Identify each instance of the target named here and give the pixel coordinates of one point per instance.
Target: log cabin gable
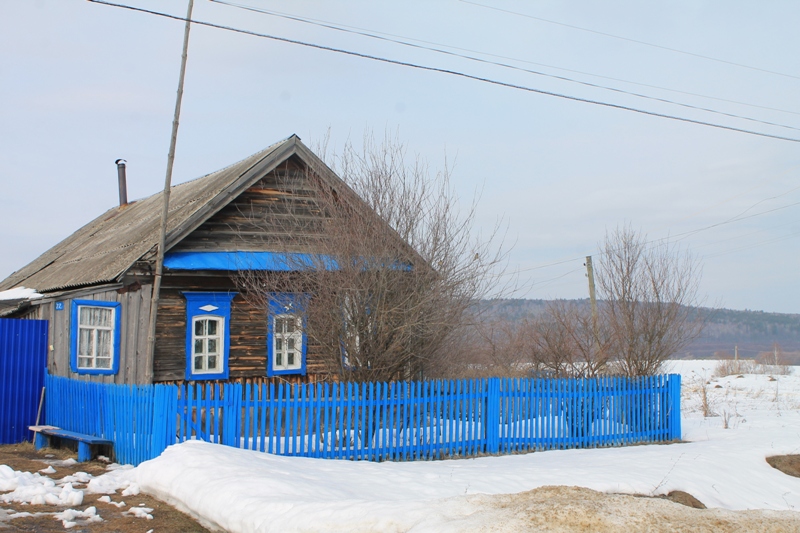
(264, 204)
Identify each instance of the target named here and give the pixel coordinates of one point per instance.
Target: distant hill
(754, 332)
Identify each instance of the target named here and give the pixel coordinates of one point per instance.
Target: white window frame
(93, 357)
(283, 337)
(220, 338)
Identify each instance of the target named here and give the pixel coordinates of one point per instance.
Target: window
(208, 342)
(95, 337)
(286, 337)
(287, 342)
(208, 316)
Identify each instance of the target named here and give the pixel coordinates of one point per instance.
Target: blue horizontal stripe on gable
(276, 261)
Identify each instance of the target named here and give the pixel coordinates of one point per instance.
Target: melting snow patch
(69, 518)
(24, 487)
(140, 512)
(107, 499)
(132, 490)
(118, 477)
(48, 470)
(77, 477)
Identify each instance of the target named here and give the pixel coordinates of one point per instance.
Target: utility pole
(151, 331)
(593, 300)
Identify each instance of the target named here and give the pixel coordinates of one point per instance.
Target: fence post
(492, 418)
(675, 406)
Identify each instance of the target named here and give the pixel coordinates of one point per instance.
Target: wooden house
(96, 285)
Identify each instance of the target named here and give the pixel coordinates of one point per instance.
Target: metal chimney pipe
(123, 182)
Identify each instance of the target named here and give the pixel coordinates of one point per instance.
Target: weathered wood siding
(248, 333)
(278, 213)
(135, 312)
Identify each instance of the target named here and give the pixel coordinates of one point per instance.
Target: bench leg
(84, 452)
(41, 441)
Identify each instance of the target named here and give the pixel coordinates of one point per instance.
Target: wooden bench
(87, 444)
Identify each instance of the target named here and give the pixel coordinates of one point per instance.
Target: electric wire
(645, 43)
(502, 65)
(500, 56)
(743, 235)
(450, 72)
(684, 235)
(725, 201)
(754, 245)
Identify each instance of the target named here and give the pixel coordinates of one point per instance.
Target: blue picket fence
(23, 356)
(376, 421)
(139, 419)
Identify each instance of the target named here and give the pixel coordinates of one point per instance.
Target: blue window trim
(73, 339)
(222, 302)
(277, 306)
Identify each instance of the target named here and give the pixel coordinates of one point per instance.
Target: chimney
(123, 183)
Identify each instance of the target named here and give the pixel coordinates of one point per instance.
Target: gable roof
(104, 249)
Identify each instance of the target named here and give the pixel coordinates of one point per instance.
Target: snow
(25, 487)
(140, 512)
(107, 499)
(244, 491)
(19, 293)
(721, 462)
(71, 517)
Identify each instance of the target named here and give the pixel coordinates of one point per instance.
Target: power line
(706, 209)
(645, 43)
(686, 234)
(736, 218)
(755, 245)
(450, 72)
(495, 63)
(500, 56)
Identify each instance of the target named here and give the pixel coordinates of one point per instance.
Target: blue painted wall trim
(73, 337)
(273, 261)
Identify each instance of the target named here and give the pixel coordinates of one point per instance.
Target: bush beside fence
(373, 421)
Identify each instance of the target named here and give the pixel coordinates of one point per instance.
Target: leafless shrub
(700, 388)
(775, 362)
(390, 260)
(566, 341)
(649, 296)
(732, 367)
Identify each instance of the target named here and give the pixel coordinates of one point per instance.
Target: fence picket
(373, 421)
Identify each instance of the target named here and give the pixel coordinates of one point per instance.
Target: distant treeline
(755, 333)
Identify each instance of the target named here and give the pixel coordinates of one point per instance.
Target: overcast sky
(83, 84)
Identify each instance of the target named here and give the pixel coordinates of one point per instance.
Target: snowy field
(722, 463)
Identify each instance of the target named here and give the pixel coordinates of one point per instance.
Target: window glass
(207, 341)
(95, 337)
(287, 342)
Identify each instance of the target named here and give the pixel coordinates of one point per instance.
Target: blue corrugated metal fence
(23, 356)
(376, 421)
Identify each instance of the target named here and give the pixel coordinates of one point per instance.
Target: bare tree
(649, 300)
(390, 261)
(567, 342)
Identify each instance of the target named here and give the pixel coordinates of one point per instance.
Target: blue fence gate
(23, 358)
